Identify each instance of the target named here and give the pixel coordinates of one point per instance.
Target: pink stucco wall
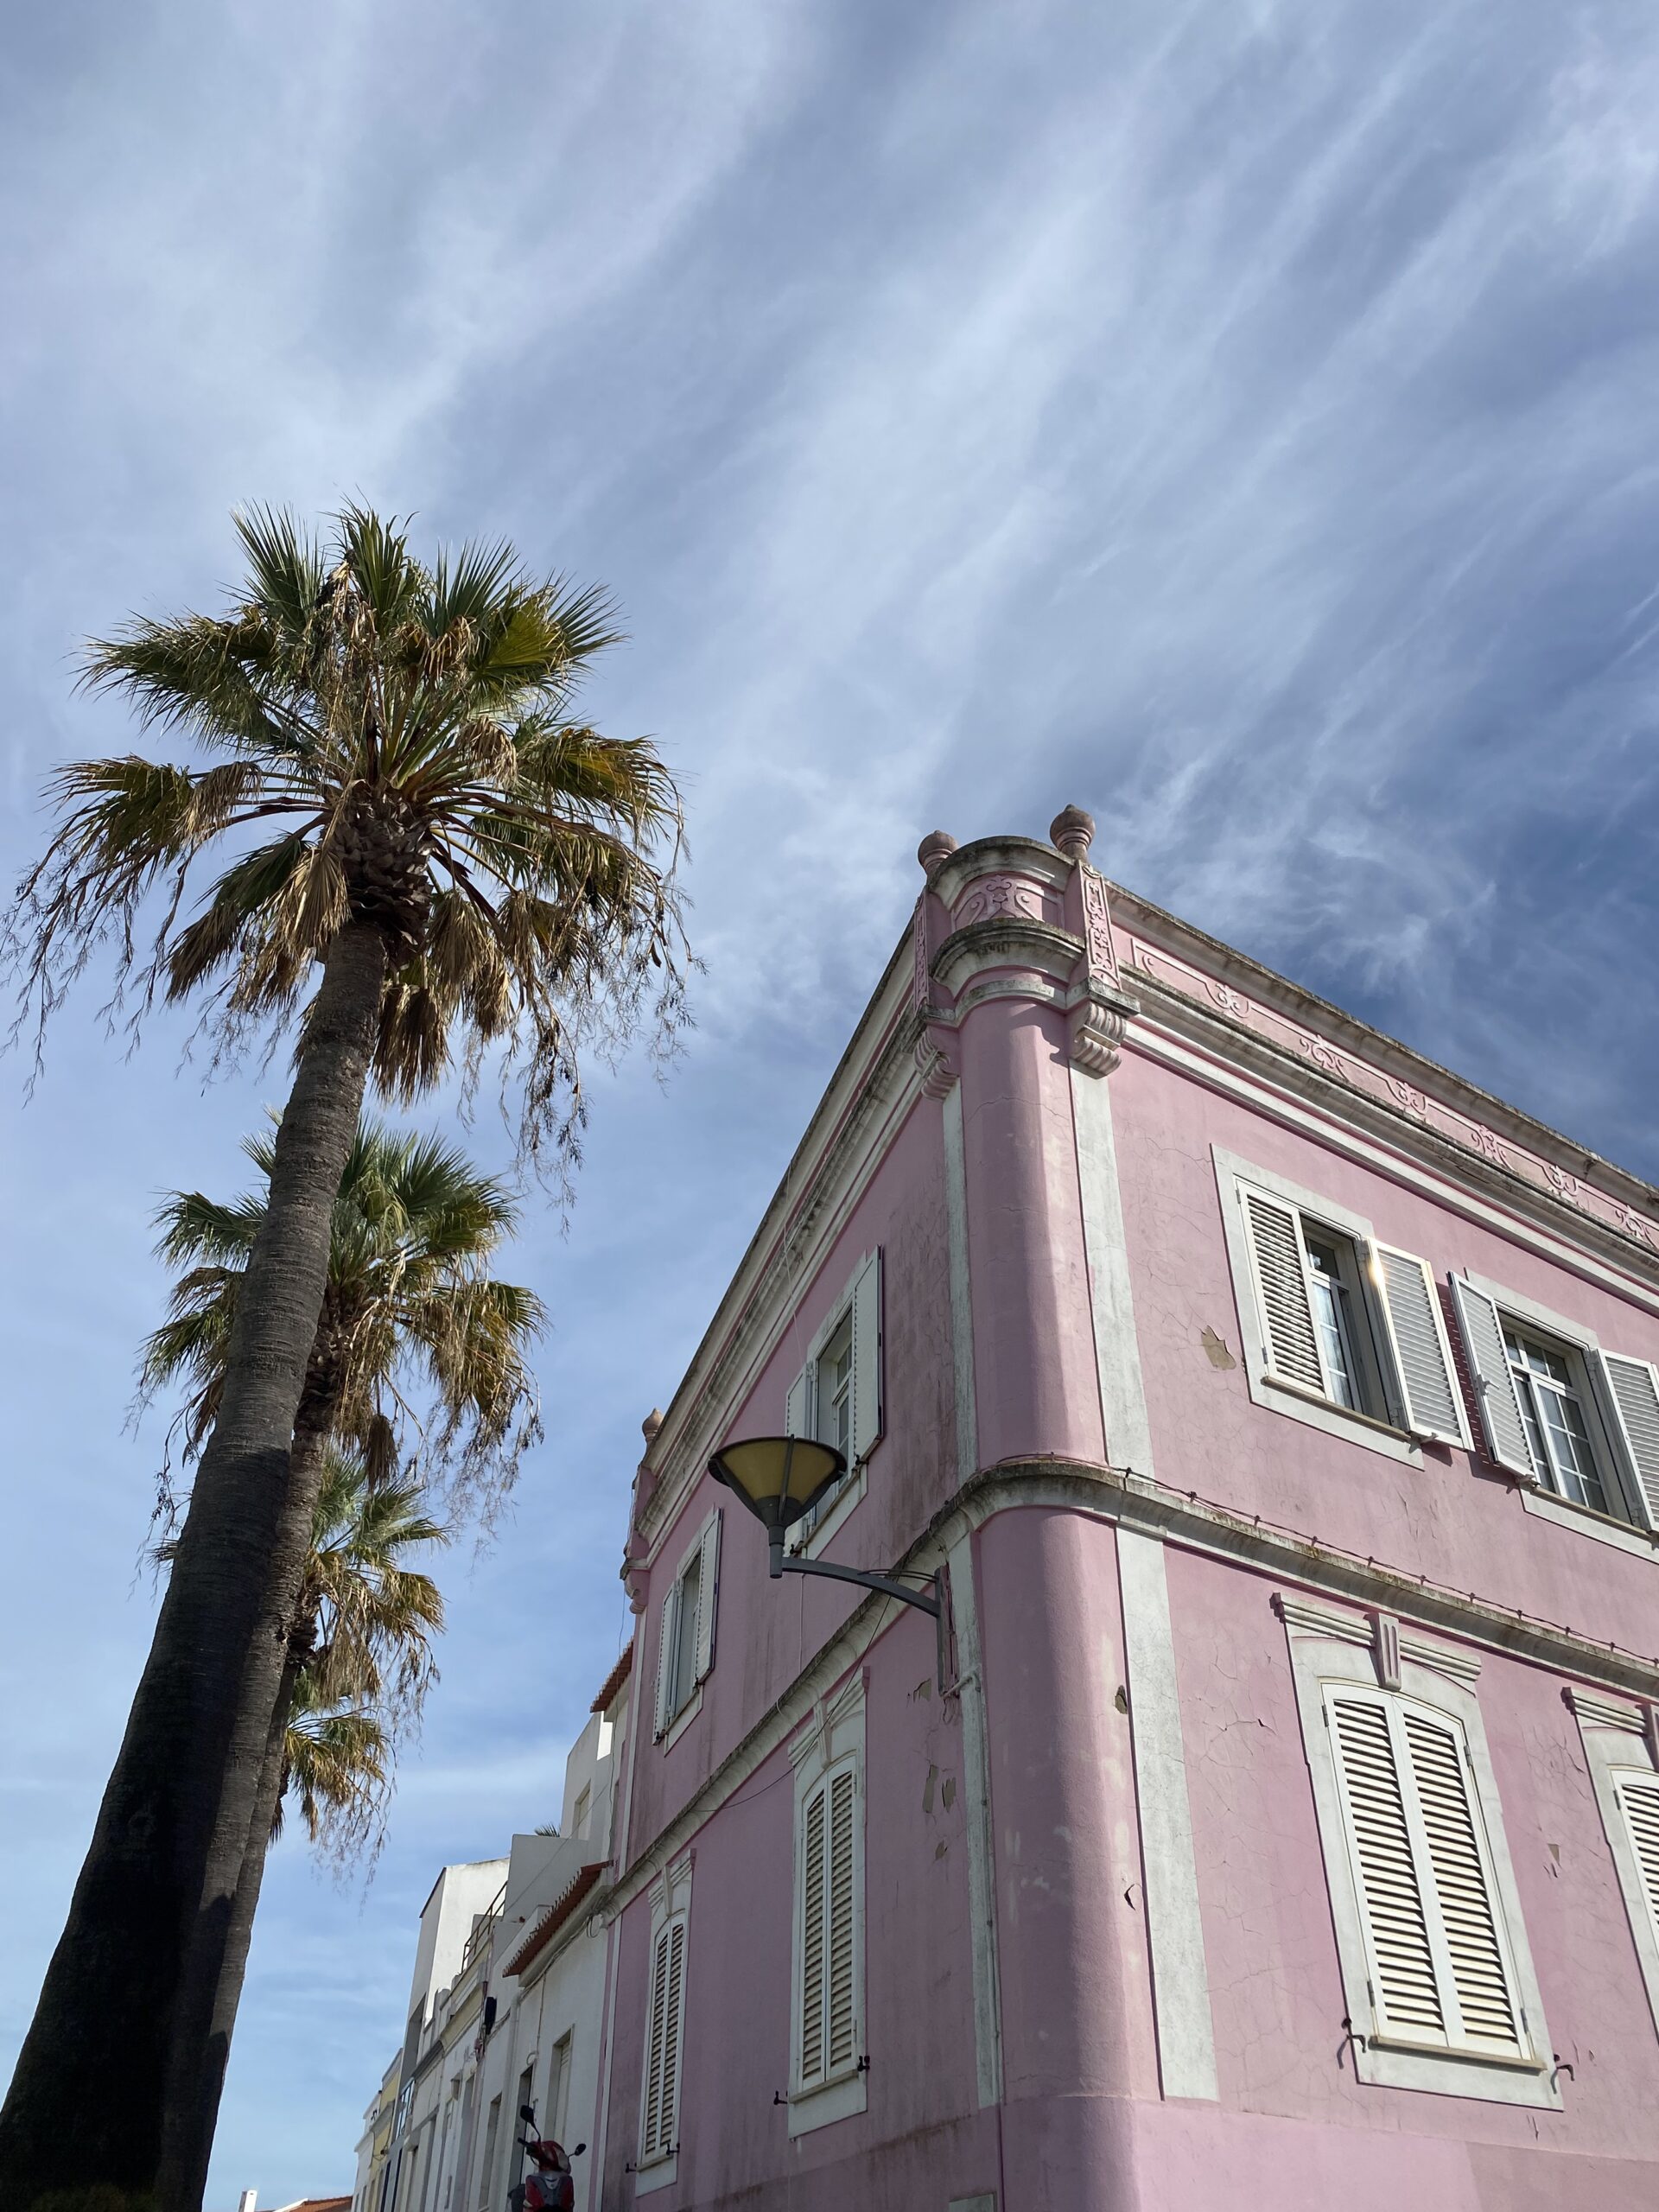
(1081, 2122)
(1276, 1998)
(922, 2137)
(766, 1630)
(1454, 1518)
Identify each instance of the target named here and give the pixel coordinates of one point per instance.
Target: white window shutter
(841, 2020)
(1638, 1799)
(1405, 1986)
(1633, 1390)
(867, 1357)
(1292, 1344)
(1487, 2014)
(813, 1930)
(798, 1409)
(665, 1658)
(1440, 1970)
(708, 1590)
(1431, 1401)
(1500, 1424)
(673, 2016)
(656, 2037)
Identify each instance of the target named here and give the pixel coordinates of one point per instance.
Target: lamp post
(781, 1479)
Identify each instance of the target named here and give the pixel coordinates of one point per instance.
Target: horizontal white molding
(1420, 1165)
(1296, 1561)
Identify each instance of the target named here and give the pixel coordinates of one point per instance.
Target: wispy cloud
(1235, 417)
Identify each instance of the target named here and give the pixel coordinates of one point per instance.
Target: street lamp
(781, 1479)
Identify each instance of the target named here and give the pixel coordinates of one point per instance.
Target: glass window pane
(685, 1643)
(1569, 1449)
(1331, 1319)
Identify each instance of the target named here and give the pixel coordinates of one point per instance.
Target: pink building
(1286, 1829)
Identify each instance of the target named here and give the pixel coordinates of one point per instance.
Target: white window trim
(669, 1630)
(1327, 1646)
(833, 1737)
(856, 1484)
(1617, 1740)
(1265, 1389)
(671, 1900)
(1605, 1439)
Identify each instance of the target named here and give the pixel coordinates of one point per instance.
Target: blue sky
(1238, 418)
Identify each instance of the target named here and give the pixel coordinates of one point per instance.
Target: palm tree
(402, 809)
(409, 1304)
(361, 1654)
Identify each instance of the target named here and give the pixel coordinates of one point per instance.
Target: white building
(507, 2003)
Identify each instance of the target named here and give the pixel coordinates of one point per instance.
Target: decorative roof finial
(934, 850)
(652, 1423)
(1072, 832)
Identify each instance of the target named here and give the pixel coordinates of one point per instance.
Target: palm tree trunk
(196, 2077)
(157, 1885)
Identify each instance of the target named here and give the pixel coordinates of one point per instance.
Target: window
(836, 1397)
(1578, 1423)
(665, 1992)
(835, 1390)
(581, 1818)
(827, 1886)
(827, 2038)
(1339, 1330)
(686, 1649)
(1437, 1977)
(1433, 1933)
(492, 2136)
(1558, 1441)
(1621, 1748)
(663, 2046)
(556, 2110)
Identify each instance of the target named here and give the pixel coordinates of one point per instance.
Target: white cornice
(872, 1089)
(1210, 990)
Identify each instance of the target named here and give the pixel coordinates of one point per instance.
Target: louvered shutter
(1635, 1394)
(1292, 1344)
(1404, 1985)
(829, 2024)
(867, 1357)
(1500, 1424)
(666, 1659)
(1430, 1400)
(656, 2039)
(841, 2023)
(1638, 1800)
(1439, 1974)
(1487, 2014)
(797, 1411)
(673, 2012)
(812, 1936)
(708, 1593)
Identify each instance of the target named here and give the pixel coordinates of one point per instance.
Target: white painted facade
(507, 2004)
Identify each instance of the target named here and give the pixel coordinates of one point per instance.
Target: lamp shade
(778, 1477)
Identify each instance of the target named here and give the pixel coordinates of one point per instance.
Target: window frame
(671, 1907)
(1620, 1739)
(832, 1745)
(1379, 1353)
(1610, 1444)
(1329, 1649)
(867, 1418)
(703, 1554)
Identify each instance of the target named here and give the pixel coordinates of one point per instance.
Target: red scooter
(549, 2187)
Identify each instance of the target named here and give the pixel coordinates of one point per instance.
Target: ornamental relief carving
(1501, 1152)
(1003, 895)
